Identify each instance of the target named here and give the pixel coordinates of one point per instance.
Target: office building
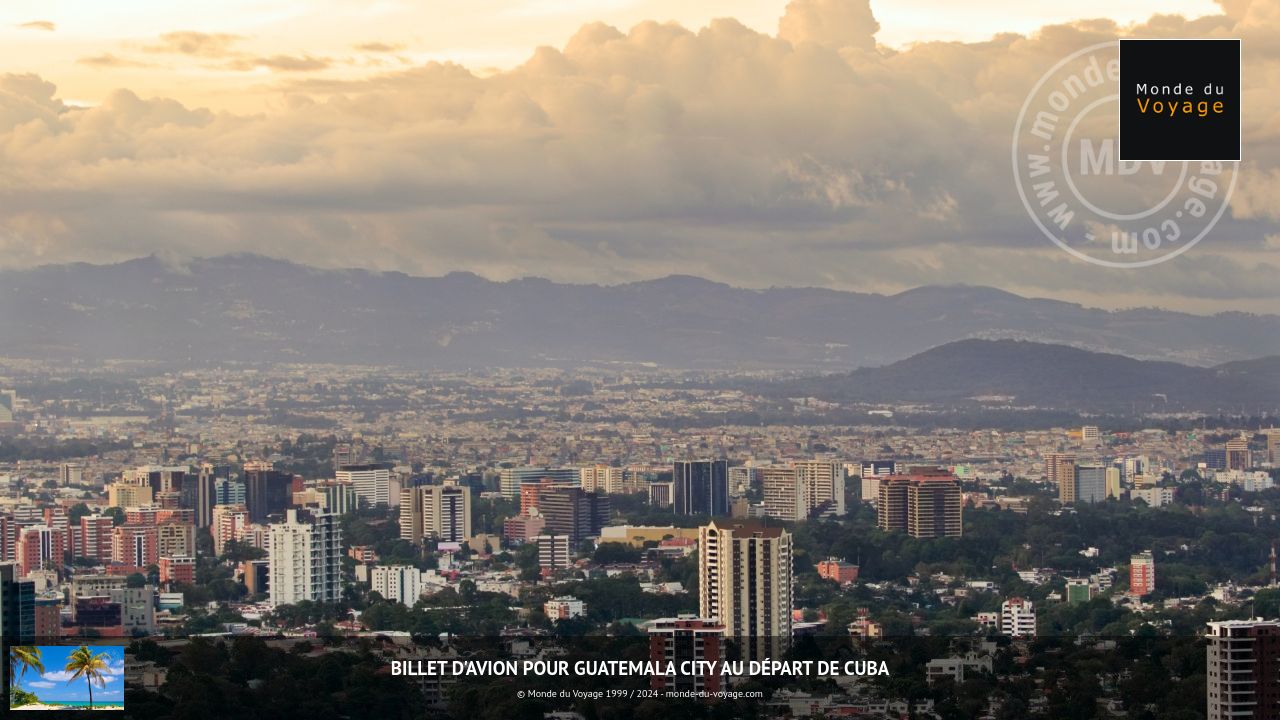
(162, 479)
(1060, 473)
(1142, 574)
(1237, 454)
(398, 583)
(176, 539)
(1090, 435)
(574, 512)
(305, 559)
(701, 487)
(371, 482)
(70, 474)
(1242, 670)
(510, 480)
(331, 496)
(744, 584)
(268, 492)
(662, 494)
(1091, 483)
(123, 494)
(17, 605)
(1018, 618)
(685, 641)
(925, 504)
(208, 480)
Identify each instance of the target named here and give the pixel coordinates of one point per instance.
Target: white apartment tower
(305, 559)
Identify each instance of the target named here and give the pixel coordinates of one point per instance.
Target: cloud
(44, 25)
(41, 684)
(108, 60)
(832, 23)
(379, 47)
(283, 63)
(58, 676)
(806, 157)
(199, 44)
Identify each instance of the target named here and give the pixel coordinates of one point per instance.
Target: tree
(22, 658)
(82, 663)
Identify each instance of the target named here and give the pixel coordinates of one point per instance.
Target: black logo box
(1180, 62)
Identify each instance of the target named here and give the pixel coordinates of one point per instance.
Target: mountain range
(993, 373)
(253, 308)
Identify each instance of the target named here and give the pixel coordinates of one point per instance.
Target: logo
(1082, 196)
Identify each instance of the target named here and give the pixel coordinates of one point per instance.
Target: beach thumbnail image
(66, 677)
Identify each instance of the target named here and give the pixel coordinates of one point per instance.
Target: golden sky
(236, 51)
(818, 142)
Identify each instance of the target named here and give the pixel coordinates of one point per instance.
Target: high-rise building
(1142, 574)
(40, 546)
(1090, 435)
(701, 487)
(744, 584)
(1091, 483)
(135, 546)
(207, 487)
(925, 504)
(95, 537)
(398, 583)
(1018, 618)
(371, 482)
(160, 478)
(1113, 482)
(573, 512)
(662, 494)
(70, 474)
(267, 491)
(178, 569)
(510, 480)
(1242, 672)
(305, 559)
(329, 496)
(601, 478)
(554, 553)
(230, 522)
(1273, 445)
(785, 495)
(681, 640)
(1238, 454)
(175, 539)
(1060, 472)
(441, 511)
(123, 494)
(802, 490)
(17, 606)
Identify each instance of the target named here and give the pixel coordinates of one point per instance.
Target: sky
(836, 143)
(53, 684)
